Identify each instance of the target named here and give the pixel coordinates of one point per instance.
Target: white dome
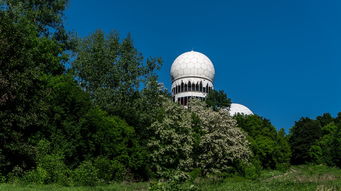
(239, 108)
(192, 64)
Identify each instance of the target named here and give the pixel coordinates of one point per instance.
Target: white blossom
(173, 143)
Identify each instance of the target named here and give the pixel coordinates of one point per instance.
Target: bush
(250, 170)
(177, 181)
(15, 175)
(195, 173)
(86, 174)
(37, 176)
(50, 169)
(109, 170)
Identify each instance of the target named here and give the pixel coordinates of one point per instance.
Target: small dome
(239, 108)
(192, 64)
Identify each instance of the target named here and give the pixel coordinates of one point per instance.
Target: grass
(319, 177)
(142, 186)
(307, 177)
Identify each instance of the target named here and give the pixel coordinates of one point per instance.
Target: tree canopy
(117, 77)
(197, 137)
(218, 99)
(270, 147)
(316, 140)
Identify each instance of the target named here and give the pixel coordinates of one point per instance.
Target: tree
(282, 150)
(325, 119)
(81, 131)
(217, 100)
(77, 132)
(303, 135)
(197, 137)
(112, 72)
(327, 149)
(118, 80)
(222, 144)
(46, 15)
(171, 141)
(270, 147)
(40, 103)
(316, 141)
(26, 59)
(338, 118)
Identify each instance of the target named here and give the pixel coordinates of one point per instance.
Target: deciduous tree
(217, 100)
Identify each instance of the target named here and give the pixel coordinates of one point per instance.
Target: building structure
(192, 75)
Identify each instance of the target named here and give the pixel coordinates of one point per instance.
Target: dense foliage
(198, 137)
(112, 72)
(316, 140)
(26, 61)
(270, 147)
(217, 99)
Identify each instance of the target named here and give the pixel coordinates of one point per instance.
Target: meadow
(304, 177)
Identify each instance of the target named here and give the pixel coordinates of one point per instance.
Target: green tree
(217, 100)
(118, 79)
(46, 15)
(77, 131)
(305, 133)
(282, 150)
(122, 83)
(26, 58)
(325, 119)
(338, 118)
(316, 141)
(81, 131)
(327, 149)
(269, 146)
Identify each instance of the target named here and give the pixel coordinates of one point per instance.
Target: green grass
(318, 177)
(141, 186)
(296, 178)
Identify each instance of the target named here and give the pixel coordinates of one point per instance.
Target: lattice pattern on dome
(192, 64)
(192, 77)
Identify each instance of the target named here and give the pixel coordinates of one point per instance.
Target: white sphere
(192, 64)
(236, 108)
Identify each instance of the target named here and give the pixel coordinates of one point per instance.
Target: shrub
(57, 171)
(85, 174)
(36, 176)
(50, 169)
(249, 170)
(109, 170)
(177, 181)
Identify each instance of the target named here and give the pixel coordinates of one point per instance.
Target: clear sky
(280, 58)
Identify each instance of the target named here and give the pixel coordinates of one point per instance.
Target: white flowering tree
(197, 137)
(171, 143)
(222, 143)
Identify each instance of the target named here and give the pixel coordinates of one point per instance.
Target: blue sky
(282, 59)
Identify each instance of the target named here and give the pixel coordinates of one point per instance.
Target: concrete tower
(192, 75)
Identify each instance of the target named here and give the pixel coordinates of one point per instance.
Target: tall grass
(306, 177)
(318, 177)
